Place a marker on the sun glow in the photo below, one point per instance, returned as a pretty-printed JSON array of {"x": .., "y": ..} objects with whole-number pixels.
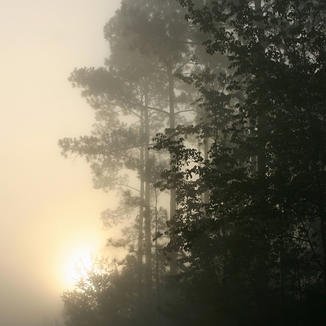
[{"x": 78, "y": 261}]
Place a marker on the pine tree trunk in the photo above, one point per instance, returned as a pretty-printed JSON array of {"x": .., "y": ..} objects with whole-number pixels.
[
  {"x": 147, "y": 213},
  {"x": 173, "y": 202},
  {"x": 141, "y": 208}
]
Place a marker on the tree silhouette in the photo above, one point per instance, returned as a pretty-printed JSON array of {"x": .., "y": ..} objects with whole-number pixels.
[{"x": 259, "y": 239}]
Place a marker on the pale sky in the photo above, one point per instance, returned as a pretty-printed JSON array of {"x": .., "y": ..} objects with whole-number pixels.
[{"x": 48, "y": 209}]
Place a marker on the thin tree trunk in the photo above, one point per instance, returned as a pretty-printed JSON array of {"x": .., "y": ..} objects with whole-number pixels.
[
  {"x": 141, "y": 209},
  {"x": 173, "y": 202},
  {"x": 157, "y": 265},
  {"x": 147, "y": 213},
  {"x": 206, "y": 150}
]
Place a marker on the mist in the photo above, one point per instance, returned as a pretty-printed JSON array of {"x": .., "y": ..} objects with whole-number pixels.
[
  {"x": 163, "y": 163},
  {"x": 48, "y": 205}
]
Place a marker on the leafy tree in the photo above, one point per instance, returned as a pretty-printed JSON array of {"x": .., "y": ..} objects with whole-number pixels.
[
  {"x": 103, "y": 295},
  {"x": 259, "y": 240}
]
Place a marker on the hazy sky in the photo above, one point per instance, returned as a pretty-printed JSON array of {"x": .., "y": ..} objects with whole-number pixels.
[{"x": 48, "y": 209}]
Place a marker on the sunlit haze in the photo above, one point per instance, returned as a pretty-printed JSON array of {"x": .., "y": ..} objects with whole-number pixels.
[
  {"x": 77, "y": 261},
  {"x": 49, "y": 211}
]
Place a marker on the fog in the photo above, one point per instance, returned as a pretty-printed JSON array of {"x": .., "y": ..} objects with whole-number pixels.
[{"x": 48, "y": 206}]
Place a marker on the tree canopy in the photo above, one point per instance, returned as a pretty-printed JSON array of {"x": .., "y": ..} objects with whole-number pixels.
[{"x": 246, "y": 175}]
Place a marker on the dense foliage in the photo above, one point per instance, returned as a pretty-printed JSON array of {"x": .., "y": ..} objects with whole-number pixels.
[{"x": 248, "y": 173}]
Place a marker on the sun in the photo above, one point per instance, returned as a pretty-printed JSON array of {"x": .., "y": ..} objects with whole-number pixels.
[{"x": 79, "y": 256}]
